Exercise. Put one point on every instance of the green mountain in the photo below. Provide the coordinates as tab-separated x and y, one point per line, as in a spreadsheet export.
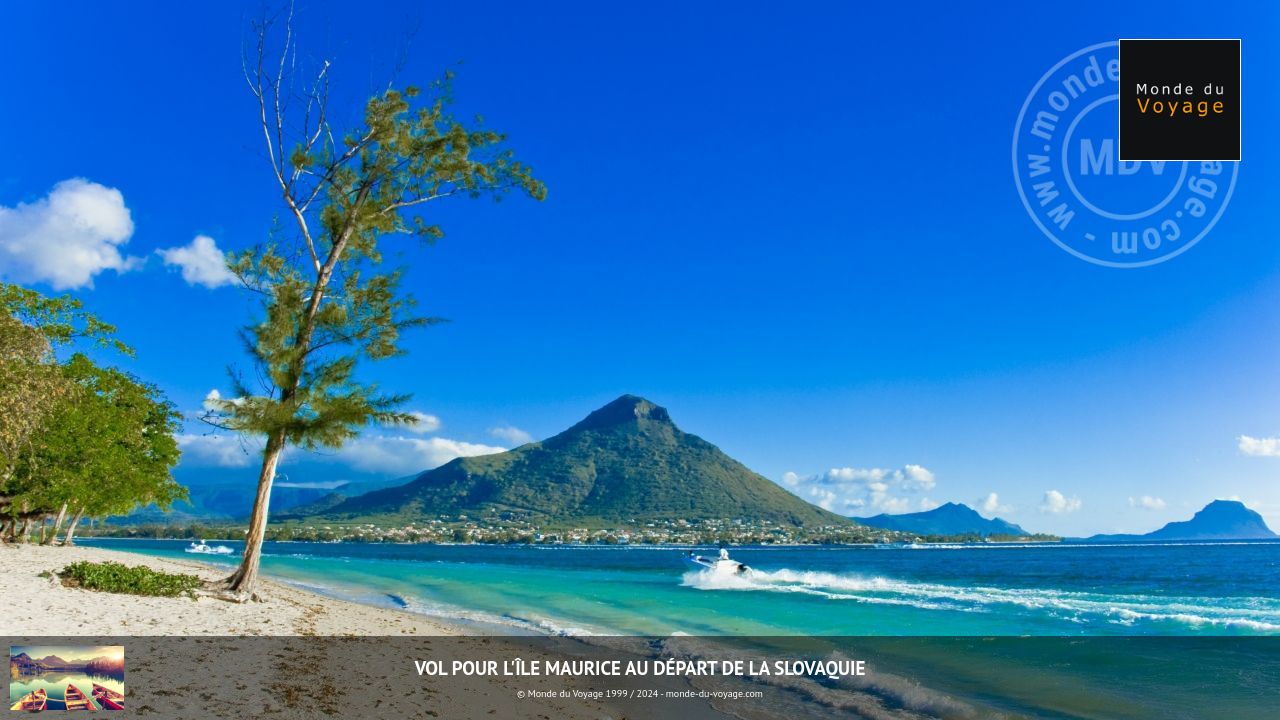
624	463
948	519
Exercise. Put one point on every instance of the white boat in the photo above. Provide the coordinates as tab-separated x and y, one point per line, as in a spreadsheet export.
718	565
203	548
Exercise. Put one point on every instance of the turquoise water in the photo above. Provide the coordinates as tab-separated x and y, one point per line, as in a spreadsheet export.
1226	588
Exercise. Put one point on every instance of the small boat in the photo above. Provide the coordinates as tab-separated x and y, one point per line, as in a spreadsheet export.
32	702
75	699
108	698
723	564
203	548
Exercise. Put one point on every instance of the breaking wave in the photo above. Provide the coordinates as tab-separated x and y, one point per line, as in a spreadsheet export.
1135	612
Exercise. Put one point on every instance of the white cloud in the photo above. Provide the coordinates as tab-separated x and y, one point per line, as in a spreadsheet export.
426	423
391	455
1260	447
511	434
66	238
1058	504
865	491
222	450
201	261
396	455
991	505
919	477
214	402
1147	502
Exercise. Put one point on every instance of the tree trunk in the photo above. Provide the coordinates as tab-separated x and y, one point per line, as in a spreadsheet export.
71	529
26	530
243	581
57	526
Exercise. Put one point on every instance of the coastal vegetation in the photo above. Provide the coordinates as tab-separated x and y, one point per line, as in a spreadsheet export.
131	580
496	531
499	532
455	532
77	438
328	300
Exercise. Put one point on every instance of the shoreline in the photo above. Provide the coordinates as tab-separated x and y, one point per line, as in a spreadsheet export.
194	645
337	640
38	606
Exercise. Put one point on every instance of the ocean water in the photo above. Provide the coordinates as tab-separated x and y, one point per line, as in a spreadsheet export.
1054	632
1179	589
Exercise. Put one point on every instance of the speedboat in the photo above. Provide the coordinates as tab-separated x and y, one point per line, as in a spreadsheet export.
719	565
203	548
32	702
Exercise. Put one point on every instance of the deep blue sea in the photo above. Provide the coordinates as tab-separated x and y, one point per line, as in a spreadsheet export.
1220	588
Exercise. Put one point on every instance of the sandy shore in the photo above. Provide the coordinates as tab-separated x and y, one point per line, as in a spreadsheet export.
297	654
32	605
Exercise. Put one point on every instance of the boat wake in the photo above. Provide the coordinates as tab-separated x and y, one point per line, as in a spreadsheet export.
1136	613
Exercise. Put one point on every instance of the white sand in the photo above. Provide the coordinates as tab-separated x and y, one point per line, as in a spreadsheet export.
32	605
297	670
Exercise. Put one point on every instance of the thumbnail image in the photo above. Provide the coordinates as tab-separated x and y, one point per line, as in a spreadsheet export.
66	677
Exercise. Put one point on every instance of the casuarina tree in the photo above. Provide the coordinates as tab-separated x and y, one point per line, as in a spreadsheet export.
329	300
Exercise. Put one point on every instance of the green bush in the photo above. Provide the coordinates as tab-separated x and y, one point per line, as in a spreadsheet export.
117	578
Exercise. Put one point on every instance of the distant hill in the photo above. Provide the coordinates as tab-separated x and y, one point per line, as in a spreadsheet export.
1219	520
626	462
225	501
25	663
949	519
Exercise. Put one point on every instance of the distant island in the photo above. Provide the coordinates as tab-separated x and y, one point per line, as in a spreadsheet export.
949	519
1219	520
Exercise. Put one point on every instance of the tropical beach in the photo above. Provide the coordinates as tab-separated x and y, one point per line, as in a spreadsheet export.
306	613
1204	589
631	362
34	605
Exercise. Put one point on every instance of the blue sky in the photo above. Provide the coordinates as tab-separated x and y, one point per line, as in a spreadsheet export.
795	228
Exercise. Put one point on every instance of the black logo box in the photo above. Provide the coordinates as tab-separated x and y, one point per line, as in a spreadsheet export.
1187	68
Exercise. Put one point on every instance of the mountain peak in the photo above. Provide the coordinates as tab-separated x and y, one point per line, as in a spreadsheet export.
1219	520
948	519
624	463
625	409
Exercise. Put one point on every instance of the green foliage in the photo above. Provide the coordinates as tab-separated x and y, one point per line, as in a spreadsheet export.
329	300
625	463
75	437
106	448
30	387
62	320
115	577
